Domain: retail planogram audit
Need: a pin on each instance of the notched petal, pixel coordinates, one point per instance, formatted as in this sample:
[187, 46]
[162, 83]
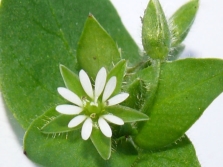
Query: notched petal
[109, 88]
[68, 109]
[76, 121]
[113, 119]
[117, 99]
[104, 127]
[100, 82]
[86, 129]
[86, 83]
[70, 96]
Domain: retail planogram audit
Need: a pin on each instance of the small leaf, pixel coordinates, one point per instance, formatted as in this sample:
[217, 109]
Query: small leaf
[155, 31]
[182, 20]
[96, 48]
[58, 123]
[72, 81]
[186, 88]
[119, 72]
[127, 114]
[175, 52]
[101, 143]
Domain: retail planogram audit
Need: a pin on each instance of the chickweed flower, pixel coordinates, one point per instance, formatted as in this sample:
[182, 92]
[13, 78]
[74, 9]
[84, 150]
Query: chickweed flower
[90, 109]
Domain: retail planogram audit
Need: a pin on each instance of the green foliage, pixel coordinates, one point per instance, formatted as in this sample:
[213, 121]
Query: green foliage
[101, 143]
[185, 89]
[182, 20]
[127, 114]
[68, 149]
[166, 97]
[71, 81]
[37, 36]
[96, 48]
[178, 154]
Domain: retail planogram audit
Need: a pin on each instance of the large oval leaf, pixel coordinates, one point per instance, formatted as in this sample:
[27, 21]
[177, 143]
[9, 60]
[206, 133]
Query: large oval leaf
[186, 88]
[68, 149]
[37, 36]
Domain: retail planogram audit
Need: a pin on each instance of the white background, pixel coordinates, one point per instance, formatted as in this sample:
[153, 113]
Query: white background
[204, 40]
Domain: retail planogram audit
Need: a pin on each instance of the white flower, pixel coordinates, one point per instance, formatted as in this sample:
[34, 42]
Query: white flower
[90, 109]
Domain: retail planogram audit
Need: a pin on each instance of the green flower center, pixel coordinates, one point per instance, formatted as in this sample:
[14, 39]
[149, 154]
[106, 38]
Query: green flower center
[94, 109]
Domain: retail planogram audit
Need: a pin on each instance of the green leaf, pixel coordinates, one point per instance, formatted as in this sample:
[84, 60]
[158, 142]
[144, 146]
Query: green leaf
[71, 81]
[68, 149]
[186, 88]
[119, 72]
[96, 48]
[101, 143]
[57, 123]
[179, 154]
[155, 31]
[127, 114]
[182, 20]
[37, 36]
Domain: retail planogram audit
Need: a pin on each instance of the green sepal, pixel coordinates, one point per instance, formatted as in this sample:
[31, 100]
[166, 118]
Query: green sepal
[119, 72]
[58, 123]
[72, 81]
[127, 114]
[137, 93]
[155, 31]
[143, 87]
[150, 76]
[181, 97]
[182, 20]
[96, 48]
[101, 143]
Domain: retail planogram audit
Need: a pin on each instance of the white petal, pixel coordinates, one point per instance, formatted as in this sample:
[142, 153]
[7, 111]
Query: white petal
[104, 126]
[86, 129]
[69, 109]
[117, 99]
[109, 88]
[86, 83]
[113, 119]
[70, 96]
[76, 121]
[100, 82]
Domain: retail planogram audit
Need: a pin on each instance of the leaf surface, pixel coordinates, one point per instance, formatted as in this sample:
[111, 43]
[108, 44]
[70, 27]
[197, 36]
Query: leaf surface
[182, 20]
[96, 49]
[37, 36]
[186, 88]
[68, 149]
